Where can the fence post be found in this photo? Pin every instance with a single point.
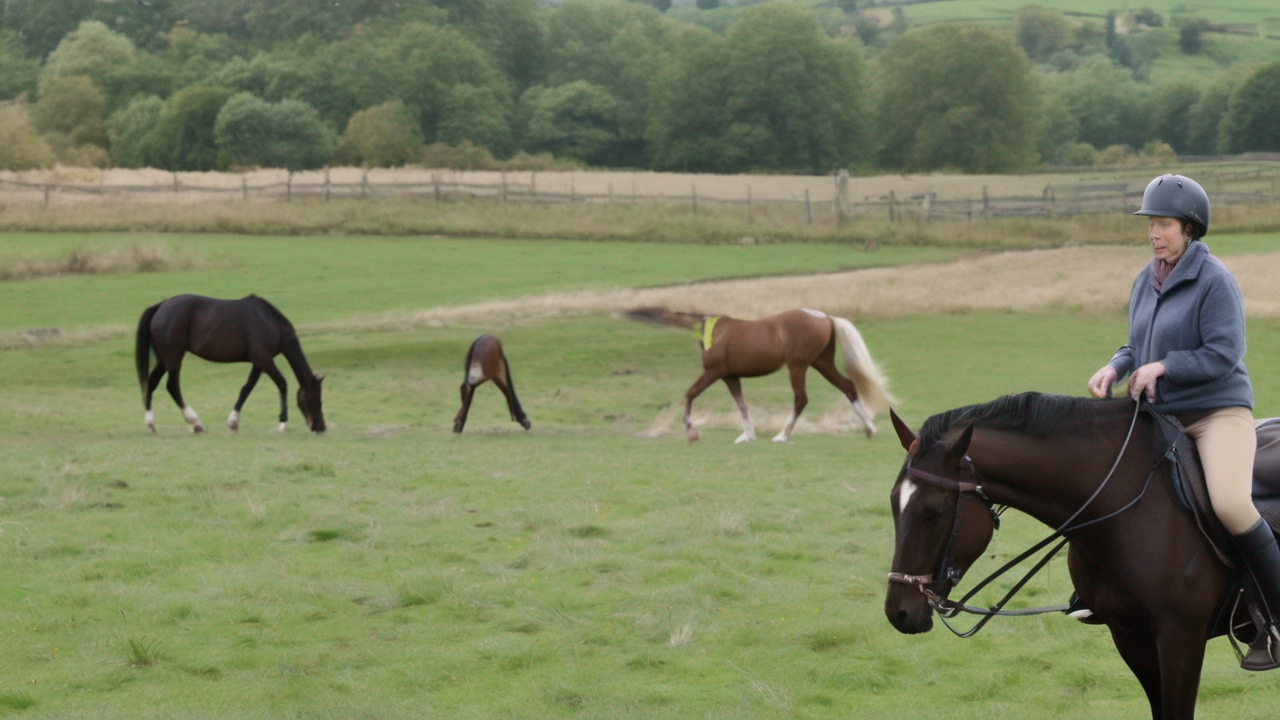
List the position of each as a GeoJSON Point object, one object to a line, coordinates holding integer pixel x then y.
{"type": "Point", "coordinates": [244, 188]}
{"type": "Point", "coordinates": [288, 187]}
{"type": "Point", "coordinates": [504, 187]}
{"type": "Point", "coordinates": [633, 188]}
{"type": "Point", "coordinates": [533, 185]}
{"type": "Point", "coordinates": [573, 190]}
{"type": "Point", "coordinates": [175, 183]}
{"type": "Point", "coordinates": [808, 211]}
{"type": "Point", "coordinates": [610, 193]}
{"type": "Point", "coordinates": [751, 209]}
{"type": "Point", "coordinates": [326, 184]}
{"type": "Point", "coordinates": [843, 205]}
{"type": "Point", "coordinates": [364, 184]}
{"type": "Point", "coordinates": [435, 182]}
{"type": "Point", "coordinates": [893, 206]}
{"type": "Point", "coordinates": [926, 205]}
{"type": "Point", "coordinates": [694, 188]}
{"type": "Point", "coordinates": [986, 204]}
{"type": "Point", "coordinates": [46, 195]}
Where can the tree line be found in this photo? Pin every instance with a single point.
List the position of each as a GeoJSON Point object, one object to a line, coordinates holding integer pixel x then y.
{"type": "Point", "coordinates": [195, 85]}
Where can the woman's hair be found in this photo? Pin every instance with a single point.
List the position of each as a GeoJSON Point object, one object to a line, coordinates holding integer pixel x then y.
{"type": "Point", "coordinates": [1191, 229]}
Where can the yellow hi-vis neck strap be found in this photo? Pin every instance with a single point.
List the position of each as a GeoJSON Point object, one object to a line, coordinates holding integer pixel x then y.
{"type": "Point", "coordinates": [703, 334]}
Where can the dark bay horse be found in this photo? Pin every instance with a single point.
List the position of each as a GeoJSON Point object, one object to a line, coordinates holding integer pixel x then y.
{"type": "Point", "coordinates": [486, 361]}
{"type": "Point", "coordinates": [799, 339]}
{"type": "Point", "coordinates": [1147, 572]}
{"type": "Point", "coordinates": [247, 330]}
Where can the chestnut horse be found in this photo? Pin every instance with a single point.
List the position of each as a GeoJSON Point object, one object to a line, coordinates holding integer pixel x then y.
{"type": "Point", "coordinates": [1138, 562]}
{"type": "Point", "coordinates": [799, 339]}
{"type": "Point", "coordinates": [247, 330]}
{"type": "Point", "coordinates": [486, 361]}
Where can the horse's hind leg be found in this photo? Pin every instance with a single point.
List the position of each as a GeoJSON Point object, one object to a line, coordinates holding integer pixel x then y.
{"type": "Point", "coordinates": [703, 382]}
{"type": "Point", "coordinates": [826, 367]}
{"type": "Point", "coordinates": [748, 429]}
{"type": "Point", "coordinates": [517, 415]}
{"type": "Point", "coordinates": [270, 369]}
{"type": "Point", "coordinates": [468, 391]}
{"type": "Point", "coordinates": [801, 399]}
{"type": "Point", "coordinates": [233, 421]}
{"type": "Point", "coordinates": [175, 390]}
{"type": "Point", "coordinates": [153, 381]}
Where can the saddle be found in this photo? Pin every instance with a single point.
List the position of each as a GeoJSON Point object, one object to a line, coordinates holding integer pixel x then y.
{"type": "Point", "coordinates": [1187, 485]}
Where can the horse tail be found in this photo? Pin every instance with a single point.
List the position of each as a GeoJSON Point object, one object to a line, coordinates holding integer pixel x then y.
{"type": "Point", "coordinates": [142, 351]}
{"type": "Point", "coordinates": [466, 364]}
{"type": "Point", "coordinates": [872, 387]}
{"type": "Point", "coordinates": [665, 317]}
{"type": "Point", "coordinates": [515, 401]}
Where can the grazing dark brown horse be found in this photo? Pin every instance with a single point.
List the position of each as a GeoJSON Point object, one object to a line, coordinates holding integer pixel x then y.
{"type": "Point", "coordinates": [247, 330]}
{"type": "Point", "coordinates": [1147, 572]}
{"type": "Point", "coordinates": [486, 361]}
{"type": "Point", "coordinates": [799, 339]}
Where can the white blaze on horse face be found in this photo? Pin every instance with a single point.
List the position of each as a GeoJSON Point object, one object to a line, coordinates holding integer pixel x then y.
{"type": "Point", "coordinates": [815, 313]}
{"type": "Point", "coordinates": [475, 374]}
{"type": "Point", "coordinates": [905, 491]}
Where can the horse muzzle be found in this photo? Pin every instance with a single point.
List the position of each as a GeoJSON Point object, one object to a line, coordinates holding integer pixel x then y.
{"type": "Point", "coordinates": [907, 609]}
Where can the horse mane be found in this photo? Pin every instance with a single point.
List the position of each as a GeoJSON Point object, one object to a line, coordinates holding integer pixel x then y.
{"type": "Point", "coordinates": [1035, 413]}
{"type": "Point", "coordinates": [275, 312]}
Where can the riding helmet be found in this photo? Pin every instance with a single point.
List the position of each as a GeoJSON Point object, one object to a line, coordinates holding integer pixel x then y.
{"type": "Point", "coordinates": [1177, 196]}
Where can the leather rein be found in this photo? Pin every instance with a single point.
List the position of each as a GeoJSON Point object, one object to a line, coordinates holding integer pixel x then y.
{"type": "Point", "coordinates": [952, 573]}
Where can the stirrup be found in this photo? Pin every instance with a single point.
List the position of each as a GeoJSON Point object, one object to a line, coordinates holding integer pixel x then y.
{"type": "Point", "coordinates": [1264, 651]}
{"type": "Point", "coordinates": [1077, 610]}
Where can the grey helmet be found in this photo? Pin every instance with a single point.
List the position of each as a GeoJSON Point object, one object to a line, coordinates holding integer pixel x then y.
{"type": "Point", "coordinates": [1180, 197]}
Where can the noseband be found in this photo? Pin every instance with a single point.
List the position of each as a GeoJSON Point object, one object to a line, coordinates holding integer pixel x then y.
{"type": "Point", "coordinates": [948, 569]}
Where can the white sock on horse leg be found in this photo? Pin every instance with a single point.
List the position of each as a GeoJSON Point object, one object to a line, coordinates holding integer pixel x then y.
{"type": "Point", "coordinates": [785, 435]}
{"type": "Point", "coordinates": [150, 419]}
{"type": "Point", "coordinates": [282, 427]}
{"type": "Point", "coordinates": [233, 420]}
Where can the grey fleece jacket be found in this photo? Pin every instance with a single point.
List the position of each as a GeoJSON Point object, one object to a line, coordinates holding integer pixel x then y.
{"type": "Point", "coordinates": [1195, 326]}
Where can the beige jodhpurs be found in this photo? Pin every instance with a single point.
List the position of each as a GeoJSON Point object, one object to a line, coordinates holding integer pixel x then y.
{"type": "Point", "coordinates": [1227, 442]}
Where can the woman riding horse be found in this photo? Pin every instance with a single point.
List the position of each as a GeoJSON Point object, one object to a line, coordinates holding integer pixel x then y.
{"type": "Point", "coordinates": [1186, 354]}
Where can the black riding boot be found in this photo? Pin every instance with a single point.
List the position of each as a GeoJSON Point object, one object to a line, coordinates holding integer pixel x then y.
{"type": "Point", "coordinates": [1261, 555]}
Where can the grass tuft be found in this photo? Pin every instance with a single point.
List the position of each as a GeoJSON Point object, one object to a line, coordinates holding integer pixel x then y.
{"type": "Point", "coordinates": [588, 531]}
{"type": "Point", "coordinates": [327, 534]}
{"type": "Point", "coordinates": [16, 700]}
{"type": "Point", "coordinates": [141, 652]}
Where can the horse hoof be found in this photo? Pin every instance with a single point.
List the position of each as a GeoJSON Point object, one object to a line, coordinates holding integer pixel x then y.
{"type": "Point", "coordinates": [526, 424]}
{"type": "Point", "coordinates": [692, 435]}
{"type": "Point", "coordinates": [234, 427]}
{"type": "Point", "coordinates": [782, 439]}
{"type": "Point", "coordinates": [744, 439]}
{"type": "Point", "coordinates": [871, 431]}
{"type": "Point", "coordinates": [198, 429]}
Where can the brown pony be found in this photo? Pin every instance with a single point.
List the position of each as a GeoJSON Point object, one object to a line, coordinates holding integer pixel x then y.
{"type": "Point", "coordinates": [486, 361]}
{"type": "Point", "coordinates": [733, 349]}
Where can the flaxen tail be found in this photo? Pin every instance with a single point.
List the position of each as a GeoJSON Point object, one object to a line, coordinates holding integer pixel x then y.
{"type": "Point", "coordinates": [873, 388]}
{"type": "Point", "coordinates": [142, 349]}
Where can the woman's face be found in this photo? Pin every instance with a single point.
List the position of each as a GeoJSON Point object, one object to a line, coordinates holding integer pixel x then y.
{"type": "Point", "coordinates": [1168, 238]}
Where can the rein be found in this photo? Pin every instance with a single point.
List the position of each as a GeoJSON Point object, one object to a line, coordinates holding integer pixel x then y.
{"type": "Point", "coordinates": [948, 608]}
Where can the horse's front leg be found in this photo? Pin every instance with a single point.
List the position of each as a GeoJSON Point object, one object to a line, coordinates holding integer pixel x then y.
{"type": "Point", "coordinates": [703, 382]}
{"type": "Point", "coordinates": [278, 379]}
{"type": "Point", "coordinates": [1167, 664]}
{"type": "Point", "coordinates": [748, 429]}
{"type": "Point", "coordinates": [801, 399]}
{"type": "Point", "coordinates": [233, 421]}
{"type": "Point", "coordinates": [460, 420]}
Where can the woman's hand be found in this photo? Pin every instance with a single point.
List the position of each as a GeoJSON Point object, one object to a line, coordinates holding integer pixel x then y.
{"type": "Point", "coordinates": [1101, 382]}
{"type": "Point", "coordinates": [1144, 380]}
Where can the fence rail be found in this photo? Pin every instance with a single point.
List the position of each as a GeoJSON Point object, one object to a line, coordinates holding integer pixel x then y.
{"type": "Point", "coordinates": [1238, 183]}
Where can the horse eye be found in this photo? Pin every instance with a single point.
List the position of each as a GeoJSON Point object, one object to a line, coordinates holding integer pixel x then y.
{"type": "Point", "coordinates": [930, 514]}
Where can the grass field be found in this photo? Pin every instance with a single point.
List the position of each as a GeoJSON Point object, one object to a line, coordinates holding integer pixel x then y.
{"type": "Point", "coordinates": [595, 567]}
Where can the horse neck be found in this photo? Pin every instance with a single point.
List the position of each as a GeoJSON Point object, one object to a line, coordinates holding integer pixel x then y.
{"type": "Point", "coordinates": [1050, 478]}
{"type": "Point", "coordinates": [292, 351]}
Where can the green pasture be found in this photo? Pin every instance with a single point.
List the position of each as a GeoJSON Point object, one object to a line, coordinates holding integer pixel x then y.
{"type": "Point", "coordinates": [314, 279]}
{"type": "Point", "coordinates": [596, 566]}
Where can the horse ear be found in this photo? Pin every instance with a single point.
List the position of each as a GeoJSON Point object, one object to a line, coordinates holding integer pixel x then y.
{"type": "Point", "coordinates": [905, 436]}
{"type": "Point", "coordinates": [961, 445]}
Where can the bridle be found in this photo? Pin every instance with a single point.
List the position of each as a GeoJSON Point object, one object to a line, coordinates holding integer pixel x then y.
{"type": "Point", "coordinates": [952, 572]}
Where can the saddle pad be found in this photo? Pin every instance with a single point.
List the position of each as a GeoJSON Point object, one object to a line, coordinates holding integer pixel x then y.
{"type": "Point", "coordinates": [1191, 480]}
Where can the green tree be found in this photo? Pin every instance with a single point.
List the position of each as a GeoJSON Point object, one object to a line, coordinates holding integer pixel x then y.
{"type": "Point", "coordinates": [1041, 31]}
{"type": "Point", "coordinates": [577, 120]}
{"type": "Point", "coordinates": [956, 97]}
{"type": "Point", "coordinates": [1206, 115]}
{"type": "Point", "coordinates": [691, 128]}
{"type": "Point", "coordinates": [1250, 123]}
{"type": "Point", "coordinates": [383, 136]}
{"type": "Point", "coordinates": [251, 132]}
{"type": "Point", "coordinates": [131, 131]}
{"type": "Point", "coordinates": [1110, 107]}
{"type": "Point", "coordinates": [70, 113]}
{"type": "Point", "coordinates": [92, 50]}
{"type": "Point", "coordinates": [184, 131]}
{"type": "Point", "coordinates": [18, 70]}
{"type": "Point", "coordinates": [1190, 38]}
{"type": "Point", "coordinates": [797, 97]}
{"type": "Point", "coordinates": [475, 115]}
{"type": "Point", "coordinates": [1171, 110]}
{"type": "Point", "coordinates": [44, 23]}
{"type": "Point", "coordinates": [143, 22]}
{"type": "Point", "coordinates": [21, 147]}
